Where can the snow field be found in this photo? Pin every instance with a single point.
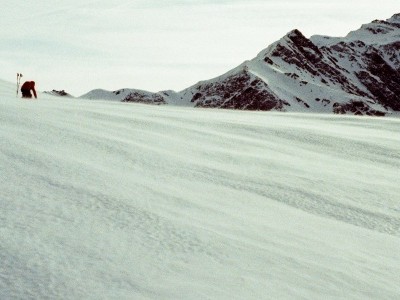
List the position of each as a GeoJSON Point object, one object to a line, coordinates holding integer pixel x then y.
{"type": "Point", "coordinates": [107, 200]}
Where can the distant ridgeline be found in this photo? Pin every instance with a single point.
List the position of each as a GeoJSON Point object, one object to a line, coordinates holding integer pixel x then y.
{"type": "Point", "coordinates": [357, 74]}
{"type": "Point", "coordinates": [61, 93]}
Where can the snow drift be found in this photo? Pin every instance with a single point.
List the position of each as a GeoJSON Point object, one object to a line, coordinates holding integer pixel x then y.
{"type": "Point", "coordinates": [108, 200]}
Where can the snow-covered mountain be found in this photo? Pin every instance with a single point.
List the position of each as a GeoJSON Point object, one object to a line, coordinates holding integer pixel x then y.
{"type": "Point", "coordinates": [126, 95]}
{"type": "Point", "coordinates": [356, 74]}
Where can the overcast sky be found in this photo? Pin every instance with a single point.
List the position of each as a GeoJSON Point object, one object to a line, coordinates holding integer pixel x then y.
{"type": "Point", "coordinates": [157, 44]}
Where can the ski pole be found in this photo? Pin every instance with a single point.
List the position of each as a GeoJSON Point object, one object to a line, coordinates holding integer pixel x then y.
{"type": "Point", "coordinates": [19, 75]}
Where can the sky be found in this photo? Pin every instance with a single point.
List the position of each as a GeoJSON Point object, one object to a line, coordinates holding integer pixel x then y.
{"type": "Point", "coordinates": [157, 44]}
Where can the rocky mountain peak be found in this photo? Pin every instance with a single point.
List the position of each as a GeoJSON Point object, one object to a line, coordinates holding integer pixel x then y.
{"type": "Point", "coordinates": [394, 19]}
{"type": "Point", "coordinates": [295, 34]}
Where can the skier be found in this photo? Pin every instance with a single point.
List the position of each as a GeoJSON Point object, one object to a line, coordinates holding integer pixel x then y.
{"type": "Point", "coordinates": [26, 89]}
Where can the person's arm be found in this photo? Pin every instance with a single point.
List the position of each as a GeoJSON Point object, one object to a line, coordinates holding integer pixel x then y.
{"type": "Point", "coordinates": [32, 86]}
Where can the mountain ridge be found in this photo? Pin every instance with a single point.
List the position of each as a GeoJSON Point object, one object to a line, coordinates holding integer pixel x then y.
{"type": "Point", "coordinates": [356, 74]}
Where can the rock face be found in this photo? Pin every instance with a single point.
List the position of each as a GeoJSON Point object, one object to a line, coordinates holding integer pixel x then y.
{"type": "Point", "coordinates": [242, 90]}
{"type": "Point", "coordinates": [143, 97]}
{"type": "Point", "coordinates": [356, 74]}
{"type": "Point", "coordinates": [371, 56]}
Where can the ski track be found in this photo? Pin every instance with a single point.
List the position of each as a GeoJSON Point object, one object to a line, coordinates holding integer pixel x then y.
{"type": "Point", "coordinates": [106, 200]}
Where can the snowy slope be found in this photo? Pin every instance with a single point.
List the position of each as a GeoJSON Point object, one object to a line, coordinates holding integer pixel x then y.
{"type": "Point", "coordinates": [9, 90]}
{"type": "Point", "coordinates": [108, 200]}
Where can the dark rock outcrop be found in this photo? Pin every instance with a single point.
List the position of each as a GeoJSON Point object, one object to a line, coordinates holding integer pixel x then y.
{"type": "Point", "coordinates": [356, 108]}
{"type": "Point", "coordinates": [147, 98]}
{"type": "Point", "coordinates": [60, 93]}
{"type": "Point", "coordinates": [238, 91]}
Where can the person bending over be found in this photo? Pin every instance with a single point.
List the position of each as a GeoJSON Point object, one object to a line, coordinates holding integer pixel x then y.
{"type": "Point", "coordinates": [26, 89]}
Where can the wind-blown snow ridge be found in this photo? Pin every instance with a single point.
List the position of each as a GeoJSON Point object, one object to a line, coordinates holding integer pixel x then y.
{"type": "Point", "coordinates": [356, 74]}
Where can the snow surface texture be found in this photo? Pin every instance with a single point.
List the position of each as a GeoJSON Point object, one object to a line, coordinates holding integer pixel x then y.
{"type": "Point", "coordinates": [108, 200]}
{"type": "Point", "coordinates": [357, 74]}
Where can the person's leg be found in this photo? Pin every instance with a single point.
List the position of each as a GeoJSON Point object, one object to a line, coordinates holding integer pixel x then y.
{"type": "Point", "coordinates": [26, 93]}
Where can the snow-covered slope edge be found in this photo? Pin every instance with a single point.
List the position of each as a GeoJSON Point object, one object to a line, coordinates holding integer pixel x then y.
{"type": "Point", "coordinates": [9, 89]}
{"type": "Point", "coordinates": [106, 200]}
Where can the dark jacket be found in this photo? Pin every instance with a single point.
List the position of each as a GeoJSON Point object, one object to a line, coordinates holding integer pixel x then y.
{"type": "Point", "coordinates": [26, 89]}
